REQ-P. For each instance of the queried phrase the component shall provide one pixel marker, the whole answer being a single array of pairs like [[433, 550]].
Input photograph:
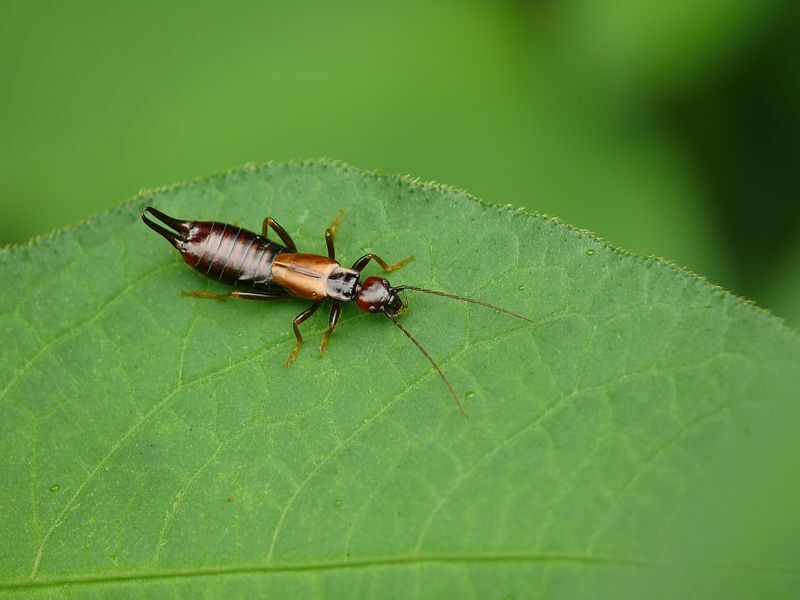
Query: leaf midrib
[[290, 567], [397, 561]]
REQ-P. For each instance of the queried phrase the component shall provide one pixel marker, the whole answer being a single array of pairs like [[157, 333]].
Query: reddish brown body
[[261, 269]]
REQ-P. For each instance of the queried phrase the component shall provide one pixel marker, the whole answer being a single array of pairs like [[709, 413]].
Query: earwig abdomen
[[231, 255], [222, 252]]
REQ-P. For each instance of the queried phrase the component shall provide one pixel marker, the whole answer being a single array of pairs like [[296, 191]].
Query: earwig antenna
[[430, 359], [463, 299]]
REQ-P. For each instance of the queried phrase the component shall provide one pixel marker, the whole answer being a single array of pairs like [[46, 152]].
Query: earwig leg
[[282, 233], [297, 320], [362, 262], [330, 234], [329, 242], [336, 310], [236, 294], [335, 225], [239, 295]]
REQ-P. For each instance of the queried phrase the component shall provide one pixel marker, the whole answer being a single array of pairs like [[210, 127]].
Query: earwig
[[261, 269]]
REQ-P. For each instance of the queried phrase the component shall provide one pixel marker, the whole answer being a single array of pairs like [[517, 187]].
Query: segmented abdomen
[[231, 255]]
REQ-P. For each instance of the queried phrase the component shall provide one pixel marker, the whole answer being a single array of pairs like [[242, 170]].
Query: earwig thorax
[[342, 284]]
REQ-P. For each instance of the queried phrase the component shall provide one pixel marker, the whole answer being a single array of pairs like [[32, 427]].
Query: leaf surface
[[155, 443]]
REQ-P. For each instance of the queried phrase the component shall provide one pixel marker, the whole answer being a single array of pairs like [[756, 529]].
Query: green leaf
[[154, 443]]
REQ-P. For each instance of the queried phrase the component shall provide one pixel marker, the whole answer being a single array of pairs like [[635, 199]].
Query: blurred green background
[[668, 128]]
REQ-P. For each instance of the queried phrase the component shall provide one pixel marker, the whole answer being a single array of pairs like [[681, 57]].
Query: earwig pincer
[[261, 269]]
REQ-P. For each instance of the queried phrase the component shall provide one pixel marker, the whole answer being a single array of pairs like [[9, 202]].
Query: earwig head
[[377, 295]]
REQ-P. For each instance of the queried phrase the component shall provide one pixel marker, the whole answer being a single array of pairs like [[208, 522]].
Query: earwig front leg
[[282, 233], [297, 320], [362, 262], [336, 310], [236, 294]]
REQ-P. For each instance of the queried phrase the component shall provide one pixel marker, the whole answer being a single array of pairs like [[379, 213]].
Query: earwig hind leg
[[297, 320], [282, 233], [235, 294], [336, 311], [362, 262]]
